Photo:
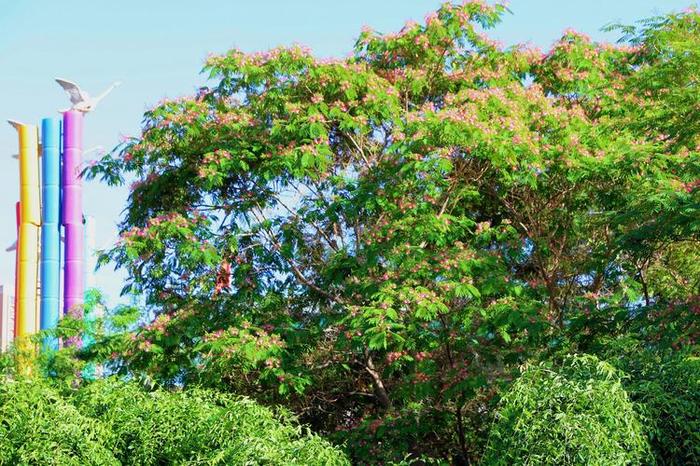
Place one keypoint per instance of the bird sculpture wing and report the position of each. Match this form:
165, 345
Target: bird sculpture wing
107, 91
76, 94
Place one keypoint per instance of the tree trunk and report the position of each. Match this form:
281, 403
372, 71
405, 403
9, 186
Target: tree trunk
461, 435
380, 392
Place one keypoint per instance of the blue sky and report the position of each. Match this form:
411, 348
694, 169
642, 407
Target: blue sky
156, 48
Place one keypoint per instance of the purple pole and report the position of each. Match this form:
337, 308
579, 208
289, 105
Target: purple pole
72, 214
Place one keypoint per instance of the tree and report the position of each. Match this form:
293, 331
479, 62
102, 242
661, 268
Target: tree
385, 238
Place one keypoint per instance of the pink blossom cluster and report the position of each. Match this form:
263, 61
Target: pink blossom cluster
216, 157
134, 233
160, 324
530, 52
432, 19
204, 172
171, 217
394, 356
296, 51
465, 114
214, 336
485, 40
572, 33
231, 117
259, 337
629, 48
138, 183
316, 118
145, 345
691, 186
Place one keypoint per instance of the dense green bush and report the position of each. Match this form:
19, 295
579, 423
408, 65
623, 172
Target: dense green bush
111, 422
198, 427
576, 414
664, 384
668, 390
39, 427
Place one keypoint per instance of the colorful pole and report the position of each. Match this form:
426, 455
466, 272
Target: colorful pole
50, 226
72, 215
28, 245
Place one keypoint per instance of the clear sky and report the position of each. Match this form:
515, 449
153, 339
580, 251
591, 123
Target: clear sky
157, 47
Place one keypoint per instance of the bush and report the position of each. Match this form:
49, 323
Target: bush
111, 422
668, 389
39, 427
198, 427
578, 414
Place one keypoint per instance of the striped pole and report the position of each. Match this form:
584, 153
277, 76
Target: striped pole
50, 227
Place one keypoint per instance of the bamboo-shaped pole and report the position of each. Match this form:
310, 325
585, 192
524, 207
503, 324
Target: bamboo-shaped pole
50, 226
28, 241
72, 214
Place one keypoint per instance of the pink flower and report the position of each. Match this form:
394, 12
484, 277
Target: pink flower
573, 33
410, 25
432, 18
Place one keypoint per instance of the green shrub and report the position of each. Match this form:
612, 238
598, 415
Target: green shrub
110, 422
577, 414
38, 427
198, 427
668, 389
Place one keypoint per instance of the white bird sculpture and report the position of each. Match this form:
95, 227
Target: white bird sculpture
81, 100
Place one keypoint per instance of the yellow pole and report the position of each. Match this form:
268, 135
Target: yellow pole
28, 237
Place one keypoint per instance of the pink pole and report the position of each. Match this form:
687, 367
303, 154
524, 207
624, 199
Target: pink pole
72, 214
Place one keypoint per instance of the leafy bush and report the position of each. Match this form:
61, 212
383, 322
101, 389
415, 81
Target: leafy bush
39, 427
668, 388
576, 414
198, 427
662, 381
111, 422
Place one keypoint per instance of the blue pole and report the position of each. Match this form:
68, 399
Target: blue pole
50, 226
